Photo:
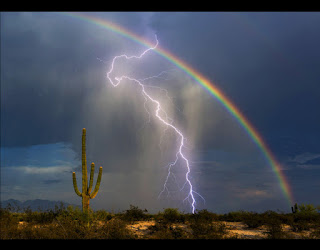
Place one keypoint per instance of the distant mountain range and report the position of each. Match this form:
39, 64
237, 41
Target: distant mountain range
34, 205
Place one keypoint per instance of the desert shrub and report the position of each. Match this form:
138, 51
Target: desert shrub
203, 225
300, 225
116, 229
34, 231
39, 217
75, 214
252, 219
66, 228
273, 224
72, 212
303, 221
315, 234
164, 230
102, 215
134, 214
71, 227
72, 223
171, 215
234, 216
207, 230
178, 233
159, 226
305, 217
204, 216
164, 227
274, 216
308, 209
8, 224
42, 216
274, 231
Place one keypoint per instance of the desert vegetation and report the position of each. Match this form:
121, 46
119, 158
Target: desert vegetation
135, 223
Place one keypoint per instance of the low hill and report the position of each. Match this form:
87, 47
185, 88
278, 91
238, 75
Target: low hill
34, 205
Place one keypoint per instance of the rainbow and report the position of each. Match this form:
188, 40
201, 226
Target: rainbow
212, 89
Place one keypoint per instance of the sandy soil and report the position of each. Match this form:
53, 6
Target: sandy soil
235, 230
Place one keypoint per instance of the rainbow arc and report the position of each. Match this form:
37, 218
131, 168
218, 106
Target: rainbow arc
207, 85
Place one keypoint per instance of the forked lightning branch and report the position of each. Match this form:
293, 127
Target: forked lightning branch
179, 154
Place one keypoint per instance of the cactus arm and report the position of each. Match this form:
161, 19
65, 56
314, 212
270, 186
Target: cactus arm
91, 178
96, 189
75, 184
84, 163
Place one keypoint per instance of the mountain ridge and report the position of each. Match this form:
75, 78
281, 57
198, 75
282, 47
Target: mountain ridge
34, 205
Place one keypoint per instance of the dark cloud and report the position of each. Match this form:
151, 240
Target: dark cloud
47, 75
263, 61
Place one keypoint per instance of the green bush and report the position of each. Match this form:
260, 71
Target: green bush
164, 227
308, 209
102, 215
303, 221
203, 225
134, 214
204, 216
8, 225
252, 219
165, 230
115, 229
274, 227
202, 230
39, 217
234, 216
171, 215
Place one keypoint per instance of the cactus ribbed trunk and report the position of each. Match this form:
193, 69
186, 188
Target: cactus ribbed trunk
295, 208
86, 196
85, 203
84, 163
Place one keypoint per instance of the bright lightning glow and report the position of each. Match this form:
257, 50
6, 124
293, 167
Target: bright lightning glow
115, 81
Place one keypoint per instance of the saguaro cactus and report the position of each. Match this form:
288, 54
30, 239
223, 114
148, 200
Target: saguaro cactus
86, 196
295, 208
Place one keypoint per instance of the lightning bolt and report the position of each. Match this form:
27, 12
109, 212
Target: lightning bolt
115, 81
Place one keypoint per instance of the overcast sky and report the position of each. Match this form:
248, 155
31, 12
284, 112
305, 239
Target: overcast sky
53, 84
